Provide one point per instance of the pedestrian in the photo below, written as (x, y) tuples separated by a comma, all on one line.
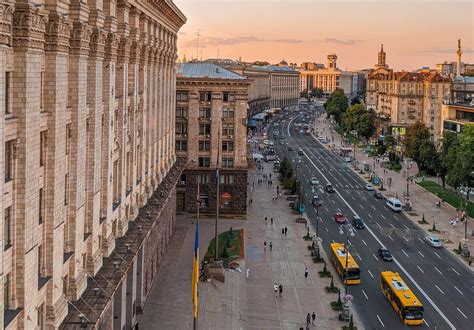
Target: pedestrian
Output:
[(271, 221), (283, 231), (248, 272), (280, 289), (273, 197), (470, 261), (265, 221), (275, 288), (308, 320), (306, 273), (271, 246), (314, 317), (286, 231), (265, 246)]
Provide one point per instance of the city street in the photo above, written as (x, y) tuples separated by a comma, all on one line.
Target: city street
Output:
[(438, 279)]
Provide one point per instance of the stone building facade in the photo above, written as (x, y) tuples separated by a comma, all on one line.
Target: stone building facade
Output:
[(87, 154), (211, 131)]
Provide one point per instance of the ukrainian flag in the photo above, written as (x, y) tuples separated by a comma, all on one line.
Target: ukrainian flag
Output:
[(195, 279)]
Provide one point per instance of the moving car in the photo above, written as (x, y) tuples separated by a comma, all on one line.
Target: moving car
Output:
[(369, 187), (329, 188), (385, 254), (357, 222), (339, 218), (378, 194), (433, 241), (394, 204), (347, 159), (314, 181), (300, 152), (316, 201)]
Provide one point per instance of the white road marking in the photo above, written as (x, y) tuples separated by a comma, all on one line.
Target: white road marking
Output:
[(427, 297), (364, 242), (421, 240), (327, 210), (353, 197), (365, 295), (383, 325), (383, 217), (373, 207), (454, 270), (361, 206), (437, 287), (369, 215), (405, 226), (438, 270), (421, 270), (462, 313), (339, 210), (375, 257), (405, 254), (459, 290), (358, 192), (326, 229), (426, 323), (390, 237), (370, 273), (421, 254), (406, 239), (378, 225), (437, 254), (358, 256), (392, 225)]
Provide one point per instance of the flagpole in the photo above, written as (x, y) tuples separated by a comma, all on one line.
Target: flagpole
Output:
[(216, 243)]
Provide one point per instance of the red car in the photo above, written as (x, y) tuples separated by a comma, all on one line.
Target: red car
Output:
[(339, 218)]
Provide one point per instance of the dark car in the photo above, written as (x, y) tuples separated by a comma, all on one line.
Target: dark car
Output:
[(290, 148), (385, 254), (378, 194), (357, 222), (329, 188)]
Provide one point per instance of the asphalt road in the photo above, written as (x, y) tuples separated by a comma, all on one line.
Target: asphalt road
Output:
[(440, 281)]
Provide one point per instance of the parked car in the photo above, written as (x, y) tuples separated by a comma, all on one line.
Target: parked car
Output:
[(378, 194), (357, 222), (329, 188), (369, 187), (385, 254), (339, 218), (316, 201), (314, 181), (433, 241)]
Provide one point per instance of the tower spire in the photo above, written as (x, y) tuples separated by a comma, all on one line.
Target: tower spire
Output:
[(459, 53)]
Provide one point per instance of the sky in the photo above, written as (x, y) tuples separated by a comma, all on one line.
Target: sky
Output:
[(415, 33)]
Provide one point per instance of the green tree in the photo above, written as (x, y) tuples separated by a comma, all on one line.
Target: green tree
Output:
[(317, 92), (427, 156), (336, 105), (390, 141), (462, 169), (351, 117), (416, 136), (366, 125), (286, 169), (304, 93), (355, 100)]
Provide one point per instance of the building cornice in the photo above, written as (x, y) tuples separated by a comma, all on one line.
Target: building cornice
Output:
[(163, 11)]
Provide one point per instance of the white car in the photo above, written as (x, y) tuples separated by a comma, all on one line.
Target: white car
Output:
[(433, 241), (314, 181), (369, 187)]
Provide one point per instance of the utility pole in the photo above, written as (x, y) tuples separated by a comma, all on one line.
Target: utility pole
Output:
[(216, 243)]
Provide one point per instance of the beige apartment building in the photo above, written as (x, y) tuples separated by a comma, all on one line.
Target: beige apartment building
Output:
[(211, 131), (87, 101)]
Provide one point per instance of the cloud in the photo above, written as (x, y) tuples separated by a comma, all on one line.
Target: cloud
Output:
[(342, 42), (447, 50), (287, 41), (215, 41)]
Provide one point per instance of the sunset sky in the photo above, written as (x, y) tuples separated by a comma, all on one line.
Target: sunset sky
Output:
[(415, 33)]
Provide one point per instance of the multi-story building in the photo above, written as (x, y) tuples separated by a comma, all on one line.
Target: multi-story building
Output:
[(455, 116), (87, 155), (330, 78), (211, 117), (455, 68)]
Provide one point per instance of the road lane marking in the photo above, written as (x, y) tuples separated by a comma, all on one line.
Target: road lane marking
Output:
[(339, 210), (379, 225), (406, 239), (421, 254), (459, 290), (422, 241), (437, 254), (383, 217), (373, 207), (390, 237), (370, 273), (364, 242), (456, 271), (392, 225), (359, 193), (353, 197), (427, 297), (327, 210), (361, 206), (438, 270), (358, 256), (421, 270), (326, 229), (383, 325), (437, 287), (365, 295), (406, 227), (405, 254), (375, 257), (369, 215), (462, 313), (427, 324)]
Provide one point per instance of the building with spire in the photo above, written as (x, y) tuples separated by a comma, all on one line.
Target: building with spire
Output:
[(455, 68), (381, 63)]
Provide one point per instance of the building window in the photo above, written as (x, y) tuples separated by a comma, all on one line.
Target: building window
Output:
[(228, 113), (7, 93), (204, 129), (226, 179), (181, 112), (205, 96), (68, 138), (42, 90), (9, 160), (40, 261), (181, 128), (204, 201), (43, 135), (7, 229), (181, 96), (227, 145), (66, 188), (181, 145), (229, 97), (7, 279), (228, 129), (204, 161), (204, 145), (41, 206), (205, 113), (203, 178), (227, 162)]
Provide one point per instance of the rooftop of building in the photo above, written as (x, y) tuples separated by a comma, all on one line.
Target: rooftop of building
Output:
[(463, 80), (274, 68), (405, 76), (202, 70)]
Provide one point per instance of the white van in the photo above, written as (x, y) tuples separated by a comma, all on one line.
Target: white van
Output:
[(394, 204)]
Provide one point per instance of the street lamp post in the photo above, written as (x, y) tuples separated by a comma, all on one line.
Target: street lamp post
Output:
[(348, 231), (317, 220)]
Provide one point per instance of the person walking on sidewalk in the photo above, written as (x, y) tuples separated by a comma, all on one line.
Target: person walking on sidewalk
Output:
[(286, 231), (306, 273), (248, 272), (280, 289), (275, 288), (271, 246), (271, 221), (265, 246), (314, 317), (308, 320)]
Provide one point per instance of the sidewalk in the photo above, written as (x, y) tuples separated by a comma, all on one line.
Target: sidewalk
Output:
[(422, 201), (242, 303)]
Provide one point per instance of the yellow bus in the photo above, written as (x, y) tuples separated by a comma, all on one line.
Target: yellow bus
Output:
[(346, 267), (402, 299)]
